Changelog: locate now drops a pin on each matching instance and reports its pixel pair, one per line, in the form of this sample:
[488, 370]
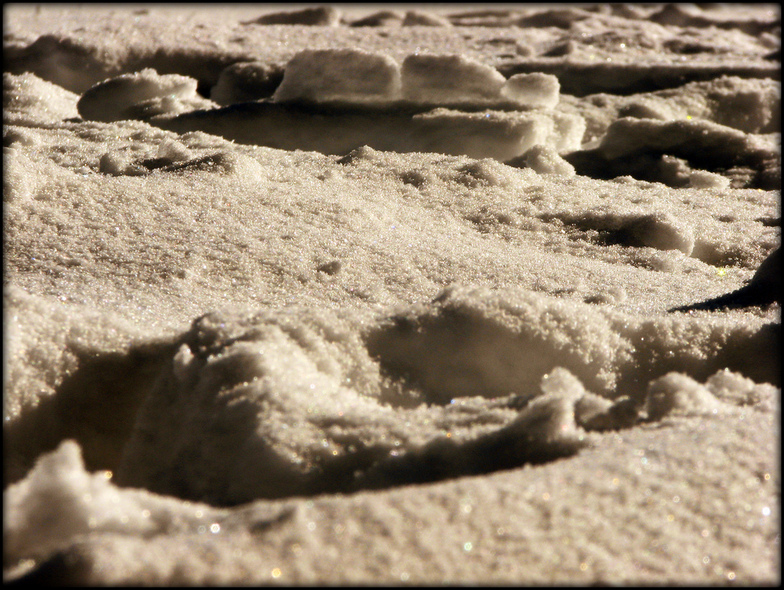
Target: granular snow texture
[392, 295]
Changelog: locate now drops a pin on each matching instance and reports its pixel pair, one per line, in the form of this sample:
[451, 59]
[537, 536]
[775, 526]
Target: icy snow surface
[382, 295]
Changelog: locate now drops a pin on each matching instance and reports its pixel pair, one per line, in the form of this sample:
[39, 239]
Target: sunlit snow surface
[345, 295]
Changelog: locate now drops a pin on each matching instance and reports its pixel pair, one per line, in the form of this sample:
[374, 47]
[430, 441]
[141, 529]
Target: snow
[324, 75]
[423, 296]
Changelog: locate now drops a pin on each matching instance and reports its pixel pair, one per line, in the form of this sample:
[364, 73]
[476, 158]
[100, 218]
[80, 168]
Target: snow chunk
[315, 16]
[339, 74]
[245, 81]
[141, 95]
[561, 382]
[568, 132]
[732, 387]
[676, 394]
[708, 180]
[591, 412]
[59, 500]
[694, 140]
[449, 79]
[545, 160]
[381, 18]
[535, 90]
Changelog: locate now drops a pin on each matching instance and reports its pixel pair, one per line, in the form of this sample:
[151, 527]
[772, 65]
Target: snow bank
[297, 403]
[346, 74]
[303, 403]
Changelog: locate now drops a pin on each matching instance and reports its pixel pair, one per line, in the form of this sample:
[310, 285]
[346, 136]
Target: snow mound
[27, 100]
[479, 342]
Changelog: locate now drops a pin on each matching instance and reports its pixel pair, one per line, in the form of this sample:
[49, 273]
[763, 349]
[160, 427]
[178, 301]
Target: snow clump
[140, 95]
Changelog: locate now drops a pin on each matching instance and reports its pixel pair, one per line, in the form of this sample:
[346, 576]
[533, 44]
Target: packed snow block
[670, 151]
[246, 81]
[490, 134]
[568, 131]
[501, 135]
[449, 79]
[535, 90]
[749, 105]
[700, 142]
[314, 16]
[339, 74]
[676, 394]
[61, 500]
[140, 95]
[708, 180]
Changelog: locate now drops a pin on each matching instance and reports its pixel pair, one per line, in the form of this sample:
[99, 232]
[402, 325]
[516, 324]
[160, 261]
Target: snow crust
[339, 74]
